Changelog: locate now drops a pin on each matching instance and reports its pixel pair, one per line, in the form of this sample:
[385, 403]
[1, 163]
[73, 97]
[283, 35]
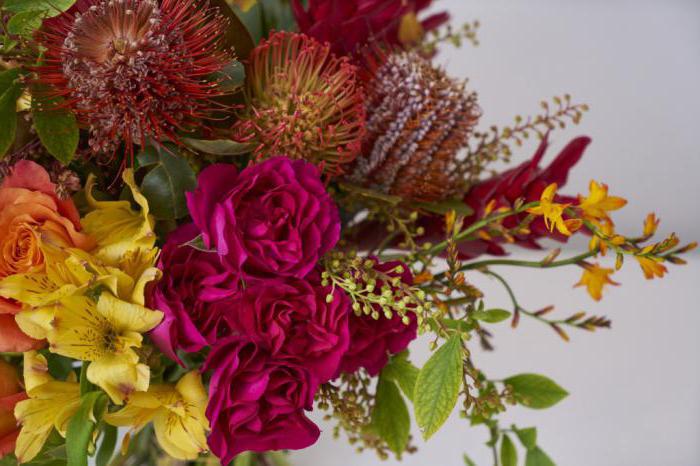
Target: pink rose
[372, 341]
[192, 294]
[255, 402]
[295, 323]
[273, 219]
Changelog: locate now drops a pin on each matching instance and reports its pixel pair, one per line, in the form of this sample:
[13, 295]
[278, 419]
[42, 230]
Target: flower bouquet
[217, 216]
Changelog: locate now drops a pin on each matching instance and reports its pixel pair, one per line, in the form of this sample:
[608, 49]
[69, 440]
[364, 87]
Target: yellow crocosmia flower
[596, 243]
[117, 228]
[410, 29]
[51, 404]
[652, 267]
[177, 413]
[105, 332]
[651, 223]
[553, 212]
[244, 5]
[598, 203]
[594, 278]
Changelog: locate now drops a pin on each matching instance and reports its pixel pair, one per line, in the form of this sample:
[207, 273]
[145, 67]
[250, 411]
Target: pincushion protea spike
[418, 120]
[303, 102]
[134, 69]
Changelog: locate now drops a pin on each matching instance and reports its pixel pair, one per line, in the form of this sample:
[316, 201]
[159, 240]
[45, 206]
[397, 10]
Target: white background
[635, 390]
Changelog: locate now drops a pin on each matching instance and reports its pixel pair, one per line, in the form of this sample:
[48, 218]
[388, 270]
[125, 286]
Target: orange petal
[12, 339]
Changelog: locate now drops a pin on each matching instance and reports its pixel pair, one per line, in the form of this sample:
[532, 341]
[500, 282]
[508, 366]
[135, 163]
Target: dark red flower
[349, 24]
[133, 69]
[372, 341]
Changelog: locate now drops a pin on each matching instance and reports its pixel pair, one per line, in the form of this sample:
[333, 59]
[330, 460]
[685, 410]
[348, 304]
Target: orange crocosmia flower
[652, 267]
[31, 213]
[595, 278]
[598, 203]
[10, 394]
[553, 213]
[651, 223]
[596, 243]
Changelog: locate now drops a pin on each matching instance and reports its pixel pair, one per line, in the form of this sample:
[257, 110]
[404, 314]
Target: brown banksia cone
[418, 121]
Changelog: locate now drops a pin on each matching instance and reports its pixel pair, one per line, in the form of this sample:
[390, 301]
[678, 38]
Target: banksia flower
[303, 102]
[418, 120]
[134, 69]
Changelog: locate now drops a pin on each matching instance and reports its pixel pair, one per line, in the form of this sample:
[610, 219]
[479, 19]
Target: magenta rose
[255, 402]
[273, 219]
[373, 341]
[193, 294]
[293, 319]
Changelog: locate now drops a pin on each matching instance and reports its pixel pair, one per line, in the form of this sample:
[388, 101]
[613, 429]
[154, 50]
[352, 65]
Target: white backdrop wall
[635, 389]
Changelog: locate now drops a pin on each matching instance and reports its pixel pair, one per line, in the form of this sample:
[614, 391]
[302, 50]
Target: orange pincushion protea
[304, 102]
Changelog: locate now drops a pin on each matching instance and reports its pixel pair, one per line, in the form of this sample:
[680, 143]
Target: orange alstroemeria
[595, 278]
[553, 213]
[652, 267]
[11, 393]
[597, 205]
[651, 223]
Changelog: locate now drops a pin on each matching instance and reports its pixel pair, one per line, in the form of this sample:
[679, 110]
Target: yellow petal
[29, 444]
[192, 389]
[179, 438]
[37, 322]
[119, 376]
[36, 371]
[127, 316]
[549, 193]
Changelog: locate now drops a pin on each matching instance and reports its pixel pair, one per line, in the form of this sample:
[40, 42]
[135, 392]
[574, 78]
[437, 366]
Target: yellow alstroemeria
[118, 229]
[51, 404]
[594, 278]
[177, 413]
[598, 203]
[652, 267]
[553, 212]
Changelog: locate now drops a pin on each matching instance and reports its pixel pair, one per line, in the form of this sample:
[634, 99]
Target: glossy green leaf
[390, 417]
[107, 446]
[52, 7]
[81, 427]
[232, 77]
[528, 437]
[56, 127]
[26, 22]
[509, 455]
[236, 36]
[491, 316]
[404, 373]
[167, 182]
[218, 146]
[536, 391]
[437, 387]
[10, 91]
[537, 457]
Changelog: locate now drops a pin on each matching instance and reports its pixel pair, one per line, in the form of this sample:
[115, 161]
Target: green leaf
[81, 426]
[442, 208]
[509, 455]
[198, 243]
[167, 182]
[56, 126]
[109, 442]
[218, 146]
[528, 437]
[244, 459]
[237, 35]
[468, 461]
[459, 325]
[437, 387]
[404, 373]
[52, 7]
[10, 90]
[536, 457]
[26, 22]
[390, 416]
[491, 316]
[231, 77]
[85, 385]
[536, 391]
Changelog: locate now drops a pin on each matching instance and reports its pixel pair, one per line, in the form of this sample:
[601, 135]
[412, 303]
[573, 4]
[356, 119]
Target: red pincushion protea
[133, 69]
[303, 102]
[350, 24]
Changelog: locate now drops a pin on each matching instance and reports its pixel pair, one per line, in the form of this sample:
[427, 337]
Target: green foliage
[491, 316]
[52, 7]
[266, 16]
[509, 455]
[390, 417]
[10, 91]
[218, 146]
[109, 442]
[437, 387]
[528, 437]
[81, 427]
[237, 36]
[442, 208]
[167, 182]
[25, 23]
[536, 391]
[232, 77]
[55, 125]
[403, 372]
[537, 457]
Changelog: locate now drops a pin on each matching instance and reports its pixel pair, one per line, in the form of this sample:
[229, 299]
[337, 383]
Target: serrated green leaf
[167, 182]
[53, 7]
[390, 417]
[437, 387]
[537, 457]
[218, 146]
[404, 373]
[10, 90]
[81, 426]
[26, 22]
[528, 437]
[509, 455]
[56, 126]
[109, 442]
[491, 316]
[536, 391]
